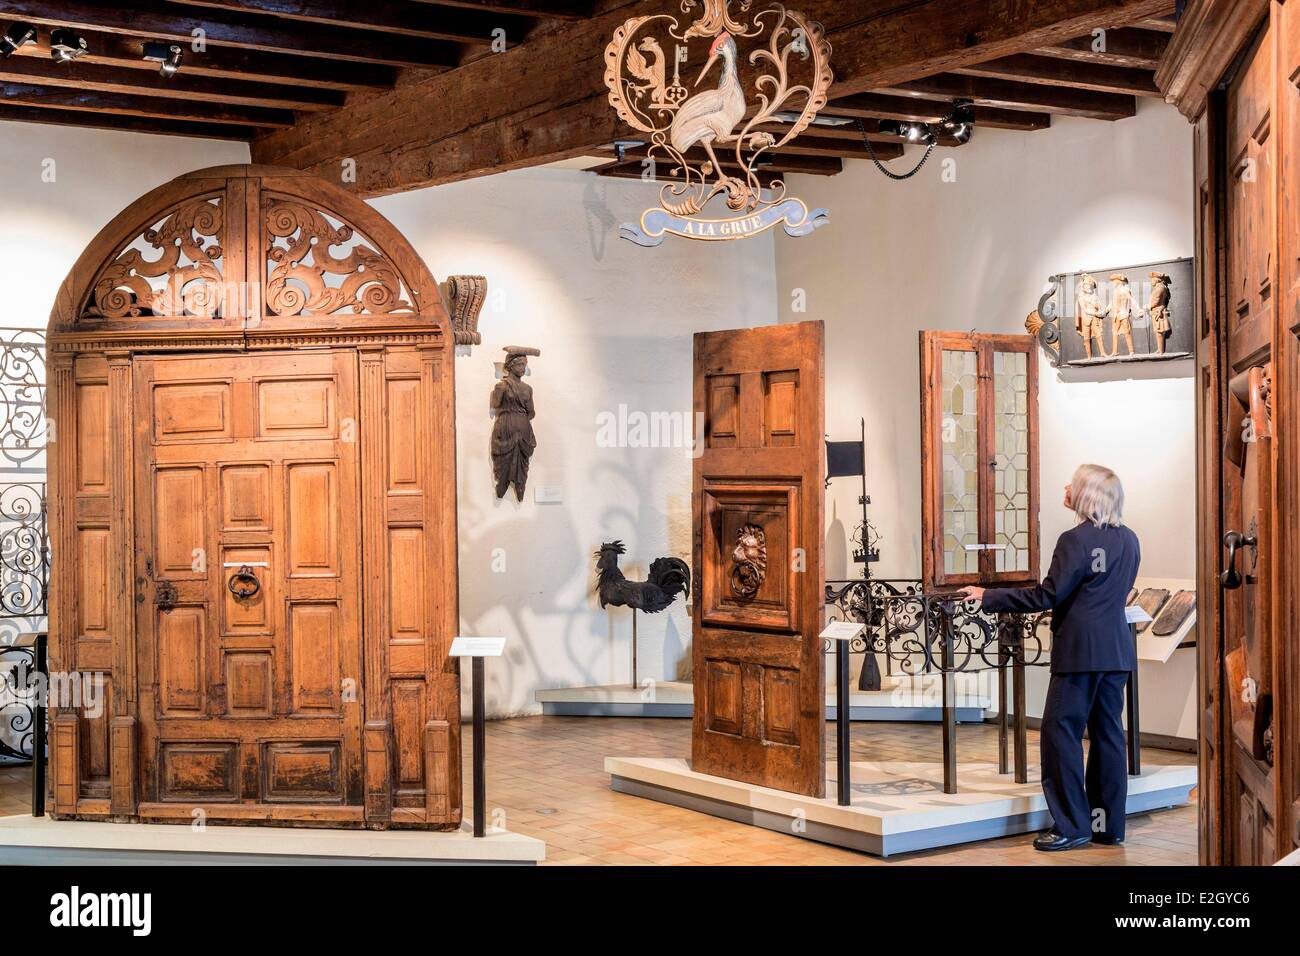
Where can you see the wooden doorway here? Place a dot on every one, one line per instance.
(1234, 69)
(252, 514)
(760, 682)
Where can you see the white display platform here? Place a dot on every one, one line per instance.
(35, 841)
(897, 700)
(897, 807)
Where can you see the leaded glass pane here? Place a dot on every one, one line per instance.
(1011, 460)
(959, 444)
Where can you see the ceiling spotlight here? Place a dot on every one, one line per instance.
(960, 123)
(167, 55)
(17, 35)
(66, 45)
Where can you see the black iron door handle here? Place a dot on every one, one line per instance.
(243, 584)
(1234, 541)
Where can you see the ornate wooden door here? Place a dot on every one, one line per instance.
(247, 591)
(1248, 460)
(252, 514)
(759, 677)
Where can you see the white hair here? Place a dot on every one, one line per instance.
(1097, 496)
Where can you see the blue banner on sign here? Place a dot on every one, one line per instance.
(791, 214)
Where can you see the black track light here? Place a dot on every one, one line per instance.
(166, 55)
(66, 45)
(15, 36)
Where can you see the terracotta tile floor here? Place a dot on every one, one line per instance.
(546, 779)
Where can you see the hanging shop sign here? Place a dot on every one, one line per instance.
(715, 141)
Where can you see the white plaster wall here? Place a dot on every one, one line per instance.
(614, 322)
(45, 225)
(975, 254)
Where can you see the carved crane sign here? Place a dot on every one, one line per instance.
(717, 138)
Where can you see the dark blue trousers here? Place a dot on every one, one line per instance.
(1092, 802)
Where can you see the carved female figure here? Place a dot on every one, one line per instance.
(513, 441)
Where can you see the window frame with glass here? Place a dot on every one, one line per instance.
(953, 552)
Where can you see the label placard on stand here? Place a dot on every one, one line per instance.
(477, 647)
(842, 631)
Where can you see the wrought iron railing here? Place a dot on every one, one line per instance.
(904, 627)
(24, 538)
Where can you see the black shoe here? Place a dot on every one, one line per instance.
(1105, 840)
(1052, 841)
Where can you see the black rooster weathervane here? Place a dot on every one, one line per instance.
(669, 577)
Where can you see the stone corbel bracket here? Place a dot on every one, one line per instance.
(465, 296)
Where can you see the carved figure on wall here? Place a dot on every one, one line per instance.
(750, 557)
(1122, 307)
(513, 441)
(1089, 316)
(1158, 308)
(465, 296)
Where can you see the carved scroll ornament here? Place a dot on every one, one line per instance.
(749, 568)
(187, 264)
(301, 267)
(465, 297)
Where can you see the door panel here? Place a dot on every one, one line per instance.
(760, 683)
(247, 580)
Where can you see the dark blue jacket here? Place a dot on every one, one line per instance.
(1086, 589)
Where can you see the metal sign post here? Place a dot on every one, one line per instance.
(477, 648)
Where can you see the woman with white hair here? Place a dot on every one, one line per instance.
(1086, 589)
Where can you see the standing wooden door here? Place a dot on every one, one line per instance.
(1248, 464)
(758, 492)
(247, 585)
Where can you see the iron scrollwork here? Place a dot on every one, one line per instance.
(906, 626)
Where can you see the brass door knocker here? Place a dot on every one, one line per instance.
(243, 583)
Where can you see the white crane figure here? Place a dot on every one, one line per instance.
(711, 117)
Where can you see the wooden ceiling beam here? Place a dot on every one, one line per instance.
(162, 20)
(116, 121)
(543, 9)
(115, 49)
(29, 94)
(1027, 68)
(387, 16)
(546, 100)
(1031, 96)
(1136, 49)
(96, 77)
(919, 110)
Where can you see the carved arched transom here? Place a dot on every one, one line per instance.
(246, 247)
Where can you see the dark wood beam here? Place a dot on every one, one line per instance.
(84, 74)
(114, 121)
(228, 63)
(544, 9)
(388, 16)
(161, 20)
(546, 100)
(634, 170)
(29, 94)
(1027, 68)
(1136, 49)
(1031, 96)
(919, 110)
